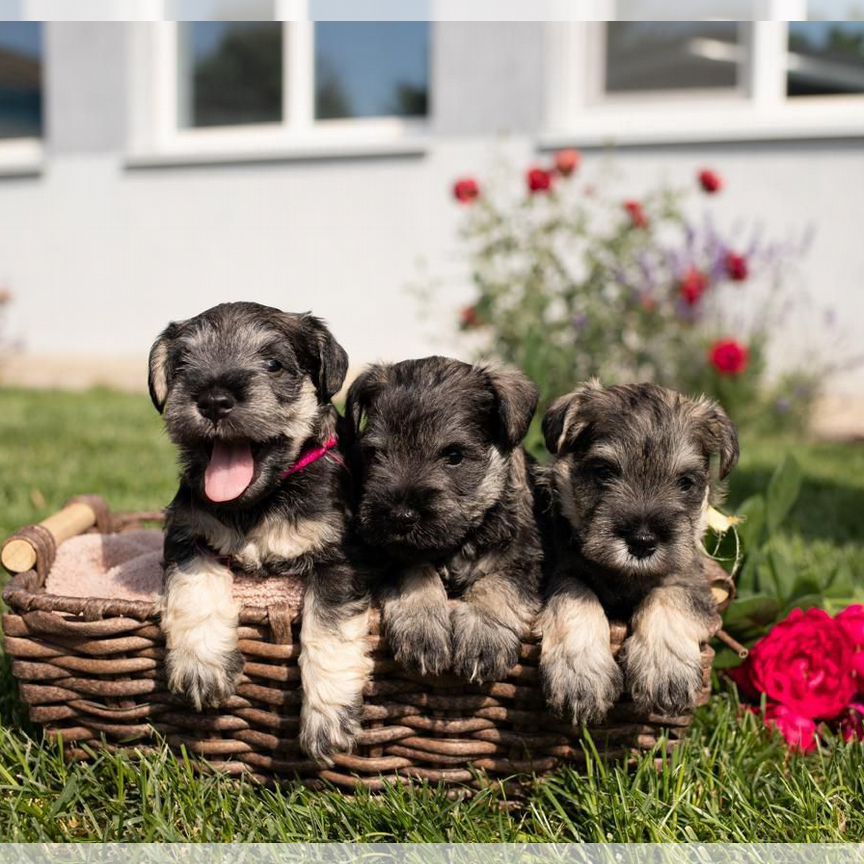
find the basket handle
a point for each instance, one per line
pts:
(20, 552)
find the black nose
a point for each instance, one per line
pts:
(215, 404)
(641, 541)
(403, 517)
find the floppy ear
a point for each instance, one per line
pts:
(362, 392)
(329, 358)
(565, 420)
(719, 435)
(159, 377)
(516, 397)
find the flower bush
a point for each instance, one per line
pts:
(572, 279)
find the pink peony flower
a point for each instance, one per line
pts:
(800, 732)
(805, 664)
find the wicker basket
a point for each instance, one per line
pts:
(91, 671)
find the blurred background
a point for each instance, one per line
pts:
(149, 170)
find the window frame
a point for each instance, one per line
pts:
(298, 133)
(758, 109)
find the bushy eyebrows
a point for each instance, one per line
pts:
(602, 451)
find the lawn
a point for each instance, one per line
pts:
(730, 782)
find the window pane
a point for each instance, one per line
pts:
(672, 55)
(825, 58)
(371, 69)
(230, 73)
(20, 80)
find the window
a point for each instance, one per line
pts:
(661, 56)
(254, 84)
(371, 69)
(20, 80)
(660, 81)
(230, 73)
(825, 58)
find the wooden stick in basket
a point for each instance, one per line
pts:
(19, 554)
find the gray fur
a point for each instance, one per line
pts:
(446, 508)
(633, 474)
(280, 370)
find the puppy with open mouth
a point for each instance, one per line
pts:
(245, 391)
(446, 505)
(631, 481)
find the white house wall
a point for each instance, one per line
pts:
(99, 255)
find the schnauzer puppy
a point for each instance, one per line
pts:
(245, 390)
(631, 481)
(446, 502)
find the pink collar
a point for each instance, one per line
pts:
(311, 456)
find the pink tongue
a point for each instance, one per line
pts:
(229, 472)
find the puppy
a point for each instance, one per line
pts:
(245, 391)
(631, 479)
(446, 502)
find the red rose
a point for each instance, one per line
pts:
(693, 286)
(710, 181)
(743, 677)
(637, 214)
(736, 267)
(567, 162)
(799, 732)
(469, 318)
(805, 664)
(539, 180)
(466, 190)
(729, 357)
(851, 620)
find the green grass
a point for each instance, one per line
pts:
(730, 782)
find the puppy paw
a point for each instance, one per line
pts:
(661, 680)
(419, 642)
(205, 683)
(483, 649)
(327, 730)
(582, 687)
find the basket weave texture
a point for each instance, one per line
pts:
(91, 670)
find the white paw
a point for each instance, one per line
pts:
(582, 686)
(660, 679)
(328, 730)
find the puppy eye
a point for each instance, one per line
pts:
(273, 365)
(453, 456)
(686, 483)
(603, 473)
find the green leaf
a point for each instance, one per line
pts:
(782, 572)
(841, 583)
(748, 579)
(833, 605)
(758, 610)
(752, 528)
(783, 490)
(725, 658)
(805, 586)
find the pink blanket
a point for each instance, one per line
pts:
(129, 567)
